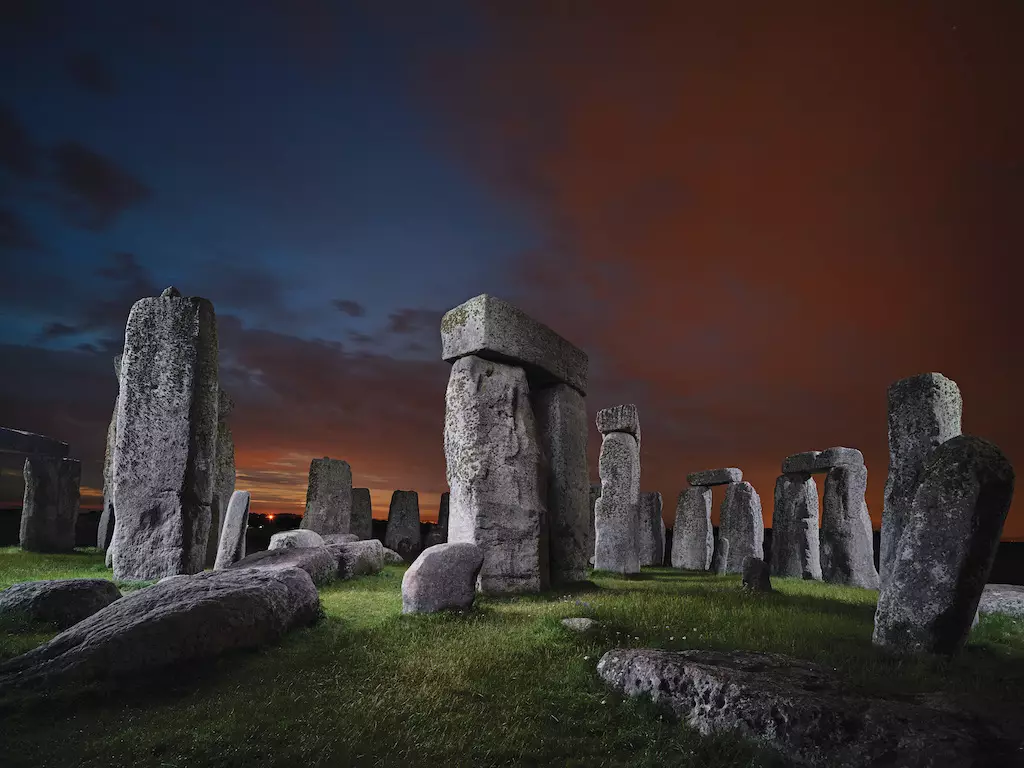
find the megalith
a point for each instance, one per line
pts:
(442, 514)
(741, 522)
(49, 509)
(328, 496)
(165, 451)
(224, 479)
(361, 523)
(616, 512)
(652, 529)
(693, 537)
(924, 412)
(105, 530)
(495, 473)
(231, 547)
(403, 532)
(847, 548)
(595, 494)
(720, 561)
(946, 552)
(795, 547)
(709, 477)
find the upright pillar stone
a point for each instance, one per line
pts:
(328, 497)
(495, 474)
(595, 494)
(924, 412)
(108, 518)
(361, 523)
(693, 537)
(224, 482)
(652, 529)
(442, 515)
(795, 547)
(847, 547)
(164, 460)
(742, 524)
(617, 513)
(403, 533)
(231, 547)
(49, 510)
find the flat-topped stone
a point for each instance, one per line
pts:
(493, 329)
(328, 496)
(49, 511)
(838, 457)
(619, 418)
(298, 538)
(30, 444)
(800, 462)
(361, 522)
(715, 477)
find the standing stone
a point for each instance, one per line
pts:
(924, 412)
(795, 551)
(105, 532)
(561, 414)
(595, 494)
(693, 537)
(946, 552)
(742, 524)
(232, 533)
(403, 533)
(224, 481)
(49, 510)
(652, 529)
(720, 563)
(847, 549)
(361, 523)
(166, 438)
(442, 513)
(443, 578)
(616, 512)
(494, 470)
(755, 575)
(328, 496)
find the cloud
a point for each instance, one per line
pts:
(95, 190)
(89, 72)
(349, 307)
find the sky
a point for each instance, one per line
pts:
(753, 220)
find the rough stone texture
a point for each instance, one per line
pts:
(651, 529)
(800, 462)
(847, 547)
(947, 549)
(496, 474)
(392, 558)
(442, 578)
(561, 414)
(720, 562)
(31, 444)
(224, 476)
(358, 558)
(319, 562)
(836, 457)
(755, 575)
(433, 536)
(924, 412)
(232, 535)
(297, 538)
(62, 602)
(715, 477)
(801, 710)
(176, 620)
(495, 330)
(795, 550)
(580, 624)
(1007, 599)
(442, 514)
(740, 521)
(328, 496)
(403, 532)
(619, 418)
(339, 538)
(616, 513)
(693, 537)
(595, 494)
(165, 454)
(105, 531)
(361, 522)
(49, 509)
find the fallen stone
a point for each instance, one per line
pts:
(358, 558)
(339, 538)
(947, 549)
(795, 548)
(31, 444)
(800, 463)
(232, 537)
(651, 530)
(616, 513)
(177, 620)
(847, 546)
(838, 457)
(693, 537)
(296, 538)
(361, 523)
(442, 578)
(224, 476)
(619, 418)
(755, 575)
(319, 562)
(720, 562)
(1007, 599)
(328, 496)
(403, 531)
(392, 558)
(715, 477)
(61, 602)
(49, 510)
(580, 624)
(741, 522)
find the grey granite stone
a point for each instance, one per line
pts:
(442, 514)
(755, 575)
(619, 418)
(795, 551)
(361, 523)
(329, 496)
(61, 602)
(720, 561)
(358, 558)
(847, 547)
(442, 578)
(616, 512)
(299, 538)
(595, 494)
(800, 462)
(224, 479)
(403, 532)
(319, 562)
(49, 510)
(693, 537)
(105, 530)
(580, 624)
(339, 538)
(838, 457)
(652, 529)
(1007, 599)
(231, 548)
(741, 522)
(715, 477)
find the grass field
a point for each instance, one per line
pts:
(503, 684)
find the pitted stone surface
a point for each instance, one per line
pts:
(741, 522)
(361, 523)
(715, 477)
(619, 418)
(616, 512)
(924, 412)
(595, 494)
(105, 531)
(319, 562)
(847, 547)
(1007, 599)
(403, 533)
(392, 558)
(947, 549)
(579, 624)
(442, 513)
(489, 328)
(442, 578)
(298, 538)
(339, 538)
(795, 547)
(329, 496)
(49, 510)
(224, 478)
(800, 462)
(720, 561)
(231, 548)
(693, 537)
(838, 457)
(358, 558)
(652, 529)
(61, 602)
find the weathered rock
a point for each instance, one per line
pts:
(297, 538)
(616, 513)
(494, 470)
(651, 529)
(49, 510)
(319, 562)
(838, 457)
(61, 602)
(741, 522)
(339, 538)
(31, 444)
(224, 476)
(580, 624)
(164, 459)
(715, 477)
(492, 329)
(433, 536)
(924, 412)
(358, 558)
(561, 414)
(442, 578)
(947, 549)
(392, 558)
(403, 532)
(361, 523)
(177, 620)
(755, 575)
(619, 418)
(595, 494)
(693, 537)
(802, 710)
(232, 536)
(847, 547)
(328, 496)
(1007, 599)
(105, 531)
(800, 463)
(442, 514)
(720, 562)
(795, 550)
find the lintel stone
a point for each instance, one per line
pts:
(31, 444)
(800, 462)
(715, 477)
(838, 457)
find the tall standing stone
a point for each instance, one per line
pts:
(847, 548)
(224, 481)
(795, 546)
(652, 529)
(442, 515)
(720, 561)
(595, 494)
(231, 547)
(616, 513)
(742, 523)
(361, 523)
(403, 533)
(947, 549)
(164, 460)
(924, 412)
(496, 474)
(693, 537)
(105, 531)
(328, 496)
(49, 510)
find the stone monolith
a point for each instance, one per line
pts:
(361, 523)
(616, 512)
(329, 496)
(224, 480)
(847, 548)
(49, 509)
(403, 532)
(231, 548)
(651, 529)
(693, 537)
(795, 548)
(741, 522)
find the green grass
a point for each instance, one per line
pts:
(503, 684)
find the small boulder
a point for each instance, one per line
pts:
(443, 577)
(62, 602)
(358, 558)
(392, 558)
(319, 562)
(339, 538)
(1007, 599)
(580, 624)
(300, 537)
(756, 575)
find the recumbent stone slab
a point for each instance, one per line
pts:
(361, 523)
(297, 538)
(800, 462)
(651, 529)
(847, 547)
(693, 537)
(619, 418)
(319, 562)
(838, 457)
(715, 477)
(403, 532)
(231, 547)
(741, 522)
(795, 544)
(61, 602)
(358, 558)
(616, 513)
(49, 510)
(442, 578)
(328, 496)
